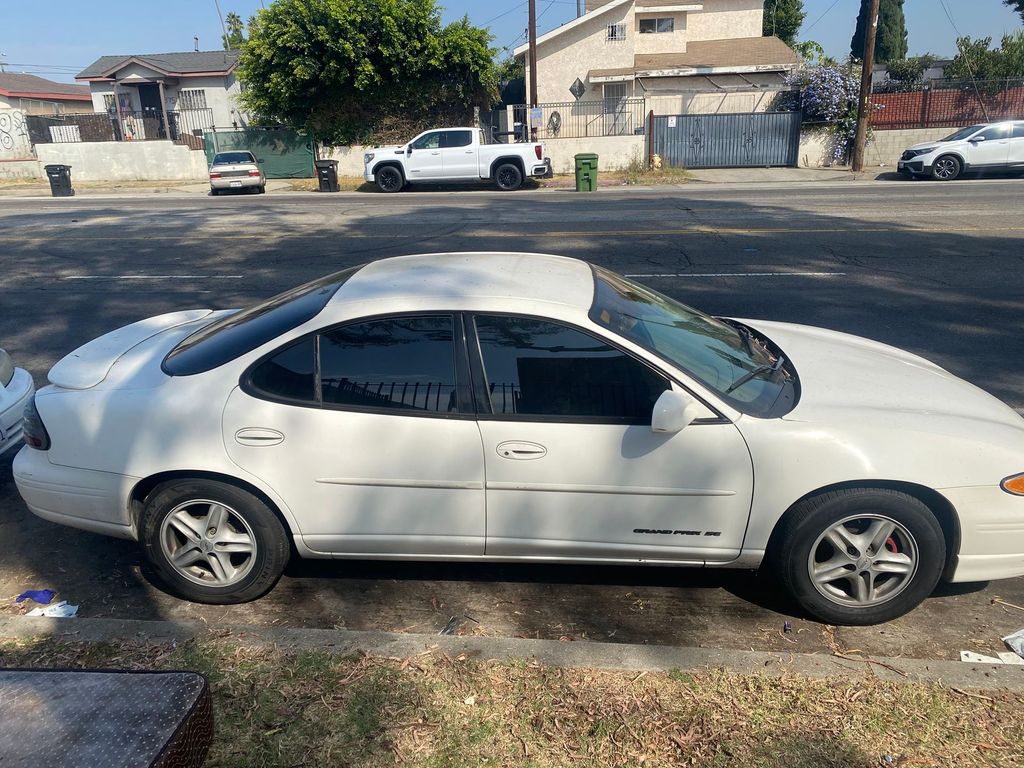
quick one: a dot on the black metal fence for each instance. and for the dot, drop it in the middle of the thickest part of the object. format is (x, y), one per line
(569, 120)
(184, 126)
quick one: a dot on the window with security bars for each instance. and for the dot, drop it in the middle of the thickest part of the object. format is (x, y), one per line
(194, 98)
(616, 33)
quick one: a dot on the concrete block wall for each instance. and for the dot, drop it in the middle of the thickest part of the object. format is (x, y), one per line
(883, 152)
(127, 161)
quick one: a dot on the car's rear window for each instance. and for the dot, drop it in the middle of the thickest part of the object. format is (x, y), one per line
(242, 332)
(233, 158)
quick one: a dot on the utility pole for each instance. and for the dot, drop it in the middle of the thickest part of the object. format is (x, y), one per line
(579, 12)
(867, 76)
(533, 67)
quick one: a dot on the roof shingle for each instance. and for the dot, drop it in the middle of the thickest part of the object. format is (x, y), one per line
(186, 63)
(17, 84)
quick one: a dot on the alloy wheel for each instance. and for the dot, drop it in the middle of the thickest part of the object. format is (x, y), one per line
(946, 168)
(208, 543)
(863, 561)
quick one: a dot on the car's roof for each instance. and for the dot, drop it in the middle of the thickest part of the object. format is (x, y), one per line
(466, 278)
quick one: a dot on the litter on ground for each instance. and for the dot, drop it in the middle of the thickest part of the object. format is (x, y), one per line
(59, 610)
(1015, 642)
(41, 596)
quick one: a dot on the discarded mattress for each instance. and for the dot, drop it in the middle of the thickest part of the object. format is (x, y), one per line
(104, 719)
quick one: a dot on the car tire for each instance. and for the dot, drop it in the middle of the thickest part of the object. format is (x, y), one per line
(263, 189)
(947, 168)
(508, 177)
(866, 587)
(231, 547)
(389, 179)
(214, 192)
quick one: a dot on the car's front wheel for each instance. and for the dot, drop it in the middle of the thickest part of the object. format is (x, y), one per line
(947, 168)
(861, 555)
(389, 179)
(212, 542)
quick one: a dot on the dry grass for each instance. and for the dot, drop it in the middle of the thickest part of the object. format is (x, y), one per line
(346, 184)
(316, 709)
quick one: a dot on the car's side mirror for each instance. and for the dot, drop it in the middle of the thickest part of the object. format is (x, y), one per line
(976, 139)
(673, 412)
(408, 150)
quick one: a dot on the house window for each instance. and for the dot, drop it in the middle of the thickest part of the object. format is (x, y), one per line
(652, 26)
(124, 98)
(192, 99)
(616, 32)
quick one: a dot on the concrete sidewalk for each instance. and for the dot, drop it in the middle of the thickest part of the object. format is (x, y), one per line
(549, 652)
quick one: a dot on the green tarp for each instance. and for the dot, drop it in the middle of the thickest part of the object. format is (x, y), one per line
(282, 152)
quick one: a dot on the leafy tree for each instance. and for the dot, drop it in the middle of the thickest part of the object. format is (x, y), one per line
(510, 69)
(813, 53)
(907, 72)
(891, 39)
(783, 18)
(1017, 5)
(977, 59)
(236, 32)
(349, 70)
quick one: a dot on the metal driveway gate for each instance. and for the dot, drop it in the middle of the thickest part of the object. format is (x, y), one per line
(757, 140)
(282, 152)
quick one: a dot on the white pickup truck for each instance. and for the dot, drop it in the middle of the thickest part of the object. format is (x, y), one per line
(455, 154)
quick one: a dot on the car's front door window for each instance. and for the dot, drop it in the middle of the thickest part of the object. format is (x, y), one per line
(428, 141)
(537, 368)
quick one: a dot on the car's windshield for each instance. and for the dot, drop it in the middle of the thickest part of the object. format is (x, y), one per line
(233, 158)
(963, 133)
(714, 352)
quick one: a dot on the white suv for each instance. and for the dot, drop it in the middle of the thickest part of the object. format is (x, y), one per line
(993, 146)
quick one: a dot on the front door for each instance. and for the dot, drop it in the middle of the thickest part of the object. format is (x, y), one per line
(573, 468)
(152, 110)
(990, 148)
(460, 155)
(365, 432)
(424, 160)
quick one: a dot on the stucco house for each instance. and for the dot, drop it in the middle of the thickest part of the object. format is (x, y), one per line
(38, 96)
(198, 88)
(682, 55)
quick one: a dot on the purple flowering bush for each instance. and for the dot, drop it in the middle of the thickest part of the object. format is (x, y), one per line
(829, 93)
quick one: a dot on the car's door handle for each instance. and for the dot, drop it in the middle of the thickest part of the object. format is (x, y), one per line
(259, 437)
(521, 451)
(435, 153)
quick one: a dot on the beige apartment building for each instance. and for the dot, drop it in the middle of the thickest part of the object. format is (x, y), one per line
(679, 55)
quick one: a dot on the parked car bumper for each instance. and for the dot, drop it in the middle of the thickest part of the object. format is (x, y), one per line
(238, 182)
(991, 533)
(13, 399)
(542, 170)
(86, 499)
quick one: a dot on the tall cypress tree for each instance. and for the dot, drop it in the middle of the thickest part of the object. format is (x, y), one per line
(891, 40)
(783, 18)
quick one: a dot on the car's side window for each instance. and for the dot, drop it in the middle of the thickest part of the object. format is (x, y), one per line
(428, 141)
(994, 133)
(289, 374)
(1018, 130)
(401, 364)
(455, 139)
(538, 368)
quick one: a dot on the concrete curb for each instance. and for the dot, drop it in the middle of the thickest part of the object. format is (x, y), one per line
(548, 652)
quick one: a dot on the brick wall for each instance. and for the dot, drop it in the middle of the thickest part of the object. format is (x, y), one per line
(946, 107)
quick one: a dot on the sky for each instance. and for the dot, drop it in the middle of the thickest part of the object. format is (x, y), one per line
(59, 38)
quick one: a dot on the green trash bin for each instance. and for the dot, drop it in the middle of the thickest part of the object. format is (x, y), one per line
(586, 172)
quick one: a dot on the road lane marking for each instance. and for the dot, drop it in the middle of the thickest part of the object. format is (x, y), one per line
(152, 277)
(746, 274)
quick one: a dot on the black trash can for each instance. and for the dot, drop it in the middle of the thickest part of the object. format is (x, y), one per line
(60, 180)
(327, 172)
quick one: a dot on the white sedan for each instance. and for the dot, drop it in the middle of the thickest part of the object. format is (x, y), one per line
(511, 407)
(16, 390)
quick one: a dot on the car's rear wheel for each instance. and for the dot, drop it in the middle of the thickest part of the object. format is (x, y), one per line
(860, 556)
(214, 192)
(212, 542)
(389, 179)
(947, 168)
(508, 177)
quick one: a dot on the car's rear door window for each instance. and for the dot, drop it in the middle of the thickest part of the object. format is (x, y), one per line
(402, 364)
(540, 369)
(456, 139)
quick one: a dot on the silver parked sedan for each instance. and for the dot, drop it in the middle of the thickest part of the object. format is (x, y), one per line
(236, 170)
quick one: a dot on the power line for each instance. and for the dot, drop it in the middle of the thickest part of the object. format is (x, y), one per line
(826, 13)
(504, 13)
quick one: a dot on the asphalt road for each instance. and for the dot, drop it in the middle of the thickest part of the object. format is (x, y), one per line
(933, 268)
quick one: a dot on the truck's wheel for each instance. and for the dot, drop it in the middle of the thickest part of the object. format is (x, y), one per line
(389, 179)
(508, 177)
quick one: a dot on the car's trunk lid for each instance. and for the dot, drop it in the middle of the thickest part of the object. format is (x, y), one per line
(90, 364)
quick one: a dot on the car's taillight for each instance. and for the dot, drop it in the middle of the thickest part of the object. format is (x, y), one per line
(34, 432)
(254, 173)
(214, 175)
(540, 152)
